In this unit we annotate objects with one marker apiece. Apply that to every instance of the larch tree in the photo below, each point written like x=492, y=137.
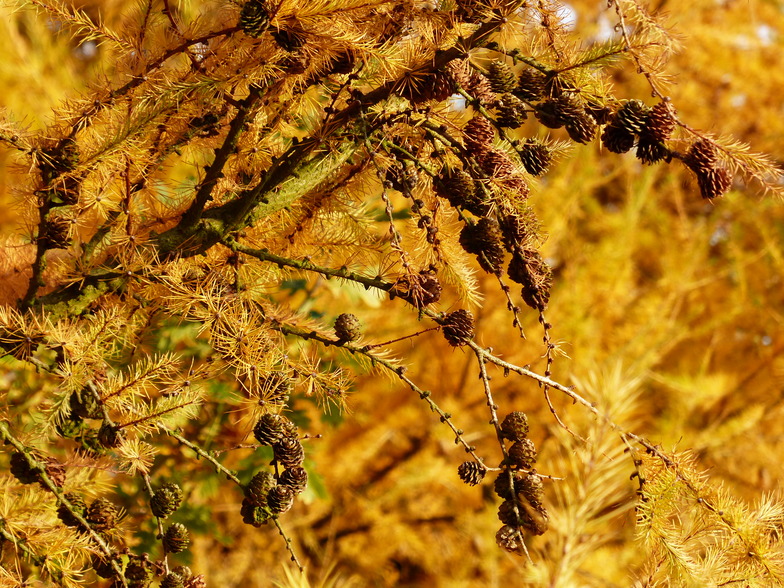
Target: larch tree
x=203, y=225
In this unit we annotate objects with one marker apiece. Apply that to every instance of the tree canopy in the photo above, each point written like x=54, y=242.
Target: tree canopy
x=405, y=293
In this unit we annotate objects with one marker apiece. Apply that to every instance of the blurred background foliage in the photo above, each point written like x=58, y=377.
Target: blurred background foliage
x=668, y=310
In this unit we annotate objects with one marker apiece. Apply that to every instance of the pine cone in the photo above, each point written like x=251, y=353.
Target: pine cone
x=480, y=88
x=417, y=289
x=499, y=167
x=548, y=114
x=84, y=404
x=71, y=428
x=471, y=472
x=173, y=580
x=517, y=228
x=431, y=288
x=536, y=157
x=531, y=487
x=289, y=452
x=254, y=515
x=478, y=135
x=254, y=19
x=632, y=117
x=176, y=538
x=102, y=515
x=522, y=454
x=166, y=500
x=102, y=567
x=455, y=186
x=460, y=72
x=55, y=233
x=258, y=488
x=570, y=111
x=511, y=111
x=280, y=498
x=701, y=156
x=55, y=472
x=483, y=239
x=435, y=86
x=536, y=520
x=515, y=426
x=66, y=516
x=617, y=139
x=460, y=190
x=110, y=436
x=347, y=327
x=660, y=123
x=295, y=478
x=506, y=513
x=530, y=86
x=531, y=518
x=496, y=163
x=138, y=571
x=502, y=78
x=509, y=539
x=714, y=182
x=582, y=129
x=501, y=484
x=529, y=269
x=458, y=327
x=271, y=428
x=439, y=86
x=650, y=151
x=21, y=470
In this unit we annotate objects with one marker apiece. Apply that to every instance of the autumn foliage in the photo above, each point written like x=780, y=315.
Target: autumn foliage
x=394, y=293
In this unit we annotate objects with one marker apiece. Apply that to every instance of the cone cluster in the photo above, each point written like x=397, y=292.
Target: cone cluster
x=522, y=492
x=266, y=495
